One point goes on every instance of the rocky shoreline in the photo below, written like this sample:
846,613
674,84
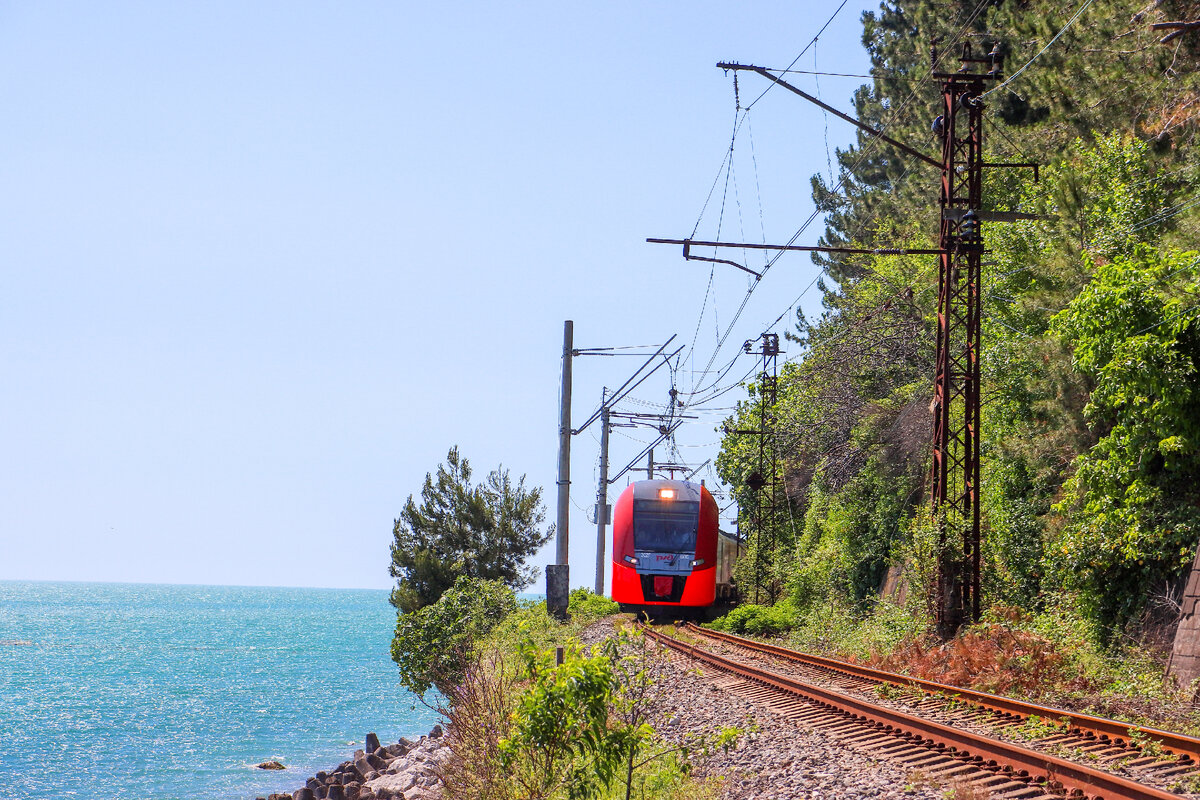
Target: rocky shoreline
406,770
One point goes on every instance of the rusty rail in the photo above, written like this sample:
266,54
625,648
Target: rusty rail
983,751
1106,729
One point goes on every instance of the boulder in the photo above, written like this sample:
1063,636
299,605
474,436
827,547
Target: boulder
336,792
372,743
272,764
436,733
303,794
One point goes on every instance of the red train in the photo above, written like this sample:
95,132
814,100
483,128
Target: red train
668,549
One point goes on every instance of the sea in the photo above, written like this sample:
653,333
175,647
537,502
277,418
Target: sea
162,692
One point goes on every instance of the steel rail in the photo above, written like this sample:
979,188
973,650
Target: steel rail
982,751
1119,733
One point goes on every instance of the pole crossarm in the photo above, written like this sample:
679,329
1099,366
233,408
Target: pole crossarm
878,134
871,251
625,389
689,257
662,437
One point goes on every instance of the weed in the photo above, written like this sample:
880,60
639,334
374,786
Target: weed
1036,727
1187,784
888,691
962,790
1150,747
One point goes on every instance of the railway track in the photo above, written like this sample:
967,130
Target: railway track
942,749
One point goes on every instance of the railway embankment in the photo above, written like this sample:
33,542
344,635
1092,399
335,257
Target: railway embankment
773,759
997,746
525,721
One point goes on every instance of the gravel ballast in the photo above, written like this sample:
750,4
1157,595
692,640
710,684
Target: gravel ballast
775,759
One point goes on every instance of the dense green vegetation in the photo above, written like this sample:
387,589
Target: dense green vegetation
524,726
1091,444
483,531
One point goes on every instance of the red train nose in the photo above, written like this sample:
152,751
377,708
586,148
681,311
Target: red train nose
663,585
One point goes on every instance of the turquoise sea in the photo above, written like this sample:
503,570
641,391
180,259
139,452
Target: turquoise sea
145,691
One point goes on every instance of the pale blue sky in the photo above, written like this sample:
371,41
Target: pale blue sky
266,262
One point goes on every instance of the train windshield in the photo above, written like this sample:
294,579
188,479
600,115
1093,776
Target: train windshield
665,527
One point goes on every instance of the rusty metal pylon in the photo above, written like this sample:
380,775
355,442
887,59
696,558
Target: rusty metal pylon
955,469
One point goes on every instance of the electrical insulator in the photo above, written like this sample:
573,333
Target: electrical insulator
939,125
969,227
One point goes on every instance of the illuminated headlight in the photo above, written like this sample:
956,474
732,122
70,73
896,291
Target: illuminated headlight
631,560
697,562
666,494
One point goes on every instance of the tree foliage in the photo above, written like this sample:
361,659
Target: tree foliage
434,644
1088,340
483,531
1133,504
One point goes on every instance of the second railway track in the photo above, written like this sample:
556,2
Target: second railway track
946,749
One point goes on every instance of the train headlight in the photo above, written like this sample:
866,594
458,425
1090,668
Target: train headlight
697,562
666,494
631,560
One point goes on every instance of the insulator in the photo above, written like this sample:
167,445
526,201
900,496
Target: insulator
939,125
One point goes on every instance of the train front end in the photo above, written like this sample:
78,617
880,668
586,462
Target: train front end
665,545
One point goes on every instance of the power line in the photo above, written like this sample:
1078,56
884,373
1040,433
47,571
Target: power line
863,153
1061,31
828,22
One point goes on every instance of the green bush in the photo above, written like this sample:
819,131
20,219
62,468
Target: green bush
560,737
434,644
586,604
755,620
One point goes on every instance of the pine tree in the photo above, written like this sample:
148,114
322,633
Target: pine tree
483,531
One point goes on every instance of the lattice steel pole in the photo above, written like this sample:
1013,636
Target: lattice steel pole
955,469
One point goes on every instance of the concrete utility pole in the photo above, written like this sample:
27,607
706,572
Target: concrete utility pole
557,574
602,496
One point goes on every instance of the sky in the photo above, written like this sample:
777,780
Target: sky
265,263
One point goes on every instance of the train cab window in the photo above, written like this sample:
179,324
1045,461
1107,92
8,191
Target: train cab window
665,527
